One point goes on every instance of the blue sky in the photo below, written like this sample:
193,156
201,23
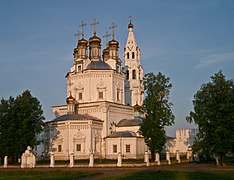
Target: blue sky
187,41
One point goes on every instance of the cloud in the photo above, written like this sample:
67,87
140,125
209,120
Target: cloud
215,59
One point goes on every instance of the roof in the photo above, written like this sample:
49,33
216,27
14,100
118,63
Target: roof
123,134
169,137
75,117
98,65
130,122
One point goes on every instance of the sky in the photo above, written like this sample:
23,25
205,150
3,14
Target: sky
188,41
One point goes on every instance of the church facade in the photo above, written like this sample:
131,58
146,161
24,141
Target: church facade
103,99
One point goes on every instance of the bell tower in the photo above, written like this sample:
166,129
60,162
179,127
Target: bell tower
134,90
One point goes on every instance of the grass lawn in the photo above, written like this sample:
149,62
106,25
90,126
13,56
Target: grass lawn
177,175
44,174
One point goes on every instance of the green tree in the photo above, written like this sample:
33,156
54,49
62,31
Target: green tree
21,120
214,115
157,109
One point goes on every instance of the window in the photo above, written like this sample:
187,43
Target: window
133,55
127,55
100,95
78,147
134,74
59,148
127,148
114,148
127,75
80,96
79,68
117,95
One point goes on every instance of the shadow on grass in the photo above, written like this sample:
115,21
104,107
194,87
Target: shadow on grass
45,174
178,175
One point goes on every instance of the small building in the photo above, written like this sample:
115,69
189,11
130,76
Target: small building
183,141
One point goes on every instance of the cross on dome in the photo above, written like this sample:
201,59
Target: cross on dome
94,24
130,25
130,17
107,37
113,29
82,26
78,35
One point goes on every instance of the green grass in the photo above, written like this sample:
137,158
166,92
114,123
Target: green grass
176,175
44,174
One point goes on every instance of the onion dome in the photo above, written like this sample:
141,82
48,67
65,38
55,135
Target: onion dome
113,42
130,25
82,42
95,40
105,54
106,50
136,107
70,100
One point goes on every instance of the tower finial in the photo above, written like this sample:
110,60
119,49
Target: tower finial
130,25
107,37
82,26
94,24
113,29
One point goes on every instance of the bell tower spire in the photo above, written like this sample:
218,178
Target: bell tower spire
134,72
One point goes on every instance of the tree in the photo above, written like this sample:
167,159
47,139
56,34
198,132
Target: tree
21,120
214,115
157,109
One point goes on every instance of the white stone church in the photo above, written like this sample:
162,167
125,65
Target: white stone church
102,90
103,99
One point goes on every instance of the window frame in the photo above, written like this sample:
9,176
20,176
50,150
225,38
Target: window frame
59,148
80,96
128,148
114,148
134,74
78,147
102,95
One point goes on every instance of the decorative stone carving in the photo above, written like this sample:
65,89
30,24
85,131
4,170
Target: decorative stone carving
147,158
119,162
28,159
52,159
91,160
178,156
5,162
168,157
71,160
157,158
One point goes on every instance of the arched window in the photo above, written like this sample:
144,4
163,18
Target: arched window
133,55
128,55
118,95
133,74
127,75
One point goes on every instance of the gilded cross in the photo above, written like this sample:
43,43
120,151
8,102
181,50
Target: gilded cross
94,24
82,26
113,29
78,35
130,17
107,37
